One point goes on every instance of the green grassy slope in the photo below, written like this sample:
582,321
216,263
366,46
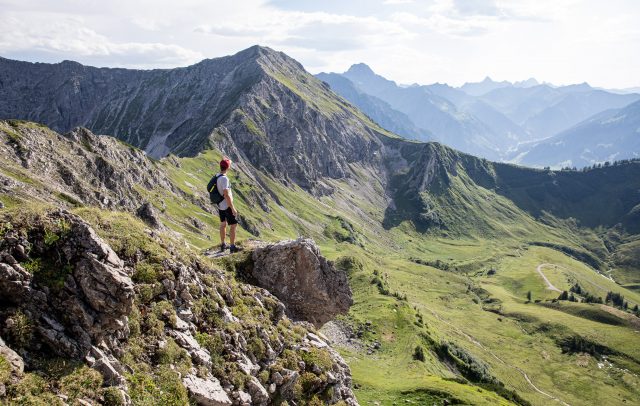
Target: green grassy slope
456,305
458,292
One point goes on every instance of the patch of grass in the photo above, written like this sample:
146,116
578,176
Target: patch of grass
5,370
163,387
82,382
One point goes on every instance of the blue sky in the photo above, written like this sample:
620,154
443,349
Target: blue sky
409,41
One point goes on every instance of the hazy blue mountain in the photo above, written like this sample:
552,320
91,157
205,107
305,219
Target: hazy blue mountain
544,111
608,136
526,83
377,109
507,133
519,104
488,84
484,87
577,105
431,109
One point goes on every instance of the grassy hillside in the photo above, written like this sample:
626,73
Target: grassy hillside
456,304
458,291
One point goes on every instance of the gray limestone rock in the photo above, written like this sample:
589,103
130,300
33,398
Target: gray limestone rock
311,288
206,392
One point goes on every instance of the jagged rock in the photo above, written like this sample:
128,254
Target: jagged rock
189,343
15,361
243,399
277,378
206,392
109,367
148,214
197,223
258,393
91,306
311,288
289,380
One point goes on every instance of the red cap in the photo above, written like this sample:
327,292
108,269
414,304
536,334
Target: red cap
225,164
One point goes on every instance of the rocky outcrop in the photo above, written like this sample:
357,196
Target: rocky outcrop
64,291
72,291
311,288
148,214
79,167
206,392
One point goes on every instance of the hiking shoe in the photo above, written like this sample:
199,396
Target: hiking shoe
223,247
234,248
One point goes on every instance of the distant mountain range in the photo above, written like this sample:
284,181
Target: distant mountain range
609,136
495,120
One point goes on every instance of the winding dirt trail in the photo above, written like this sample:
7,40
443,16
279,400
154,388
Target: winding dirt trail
477,343
549,284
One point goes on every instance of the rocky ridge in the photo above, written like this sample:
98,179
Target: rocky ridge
65,290
256,106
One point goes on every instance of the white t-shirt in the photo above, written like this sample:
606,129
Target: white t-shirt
223,184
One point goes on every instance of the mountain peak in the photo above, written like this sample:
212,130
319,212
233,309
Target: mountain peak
531,82
361,69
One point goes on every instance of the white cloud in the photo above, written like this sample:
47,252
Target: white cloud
560,41
396,2
71,38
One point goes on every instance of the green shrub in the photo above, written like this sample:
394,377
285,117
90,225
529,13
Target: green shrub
112,397
145,273
5,370
21,331
310,382
29,385
318,357
162,388
172,354
349,264
153,326
33,265
165,311
82,382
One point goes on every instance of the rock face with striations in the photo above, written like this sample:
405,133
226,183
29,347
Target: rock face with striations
256,106
311,288
88,299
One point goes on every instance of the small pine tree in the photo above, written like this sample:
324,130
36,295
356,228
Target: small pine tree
563,296
529,296
418,354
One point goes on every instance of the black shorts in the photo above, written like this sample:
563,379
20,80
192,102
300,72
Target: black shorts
227,215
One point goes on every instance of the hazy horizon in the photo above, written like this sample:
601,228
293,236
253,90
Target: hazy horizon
436,41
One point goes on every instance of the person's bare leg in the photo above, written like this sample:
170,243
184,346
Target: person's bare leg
223,231
232,234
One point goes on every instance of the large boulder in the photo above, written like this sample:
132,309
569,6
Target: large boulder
311,288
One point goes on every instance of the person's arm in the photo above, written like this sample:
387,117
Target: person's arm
229,199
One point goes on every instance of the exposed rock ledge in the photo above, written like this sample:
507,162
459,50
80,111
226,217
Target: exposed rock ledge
80,299
311,288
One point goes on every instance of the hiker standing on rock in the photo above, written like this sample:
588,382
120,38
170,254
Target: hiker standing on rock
219,189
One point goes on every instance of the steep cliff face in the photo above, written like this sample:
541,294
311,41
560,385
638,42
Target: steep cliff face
158,110
259,106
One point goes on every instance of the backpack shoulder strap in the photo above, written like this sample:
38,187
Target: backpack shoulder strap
213,183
